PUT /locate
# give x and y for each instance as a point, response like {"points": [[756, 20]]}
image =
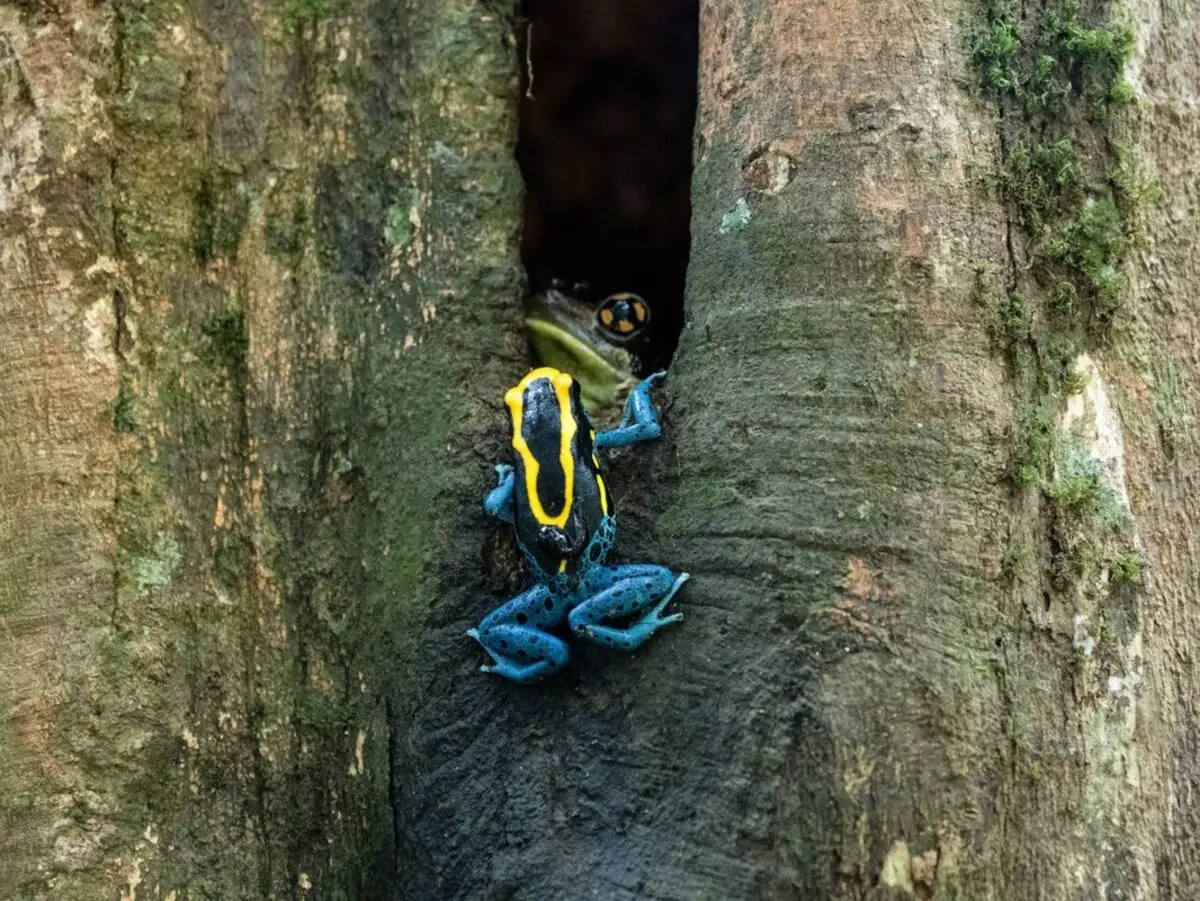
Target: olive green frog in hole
{"points": [[556, 497], [592, 341]]}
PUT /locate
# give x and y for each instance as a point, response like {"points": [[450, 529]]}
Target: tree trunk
{"points": [[930, 457], [258, 277], [942, 557]]}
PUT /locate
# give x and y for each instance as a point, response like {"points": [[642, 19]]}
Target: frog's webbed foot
{"points": [[514, 637], [639, 422], [628, 590]]}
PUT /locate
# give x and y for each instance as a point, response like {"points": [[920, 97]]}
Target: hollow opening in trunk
{"points": [[608, 102]]}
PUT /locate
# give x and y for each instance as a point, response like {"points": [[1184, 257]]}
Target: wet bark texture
{"points": [[258, 279], [259, 287]]}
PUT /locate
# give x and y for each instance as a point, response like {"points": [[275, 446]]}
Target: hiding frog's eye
{"points": [[622, 317]]}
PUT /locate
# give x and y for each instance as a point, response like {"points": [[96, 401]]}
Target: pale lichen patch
{"points": [[1112, 788], [99, 328], [133, 878], [924, 868], [154, 570], [736, 218], [1091, 419], [1081, 638], [356, 765], [897, 868], [857, 776]]}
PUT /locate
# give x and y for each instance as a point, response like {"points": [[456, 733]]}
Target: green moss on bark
{"points": [[1056, 74]]}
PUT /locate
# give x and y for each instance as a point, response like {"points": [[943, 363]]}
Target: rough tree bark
{"points": [[259, 283], [941, 671], [258, 279]]}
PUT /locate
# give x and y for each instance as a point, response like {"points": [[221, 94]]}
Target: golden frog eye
{"points": [[622, 317]]}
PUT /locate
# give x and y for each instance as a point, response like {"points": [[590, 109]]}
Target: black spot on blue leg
{"points": [[549, 605], [522, 618]]}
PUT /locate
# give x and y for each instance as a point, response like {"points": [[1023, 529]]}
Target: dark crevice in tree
{"points": [[608, 102], [393, 788]]}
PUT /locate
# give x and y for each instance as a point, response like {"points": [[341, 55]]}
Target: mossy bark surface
{"points": [[259, 281]]}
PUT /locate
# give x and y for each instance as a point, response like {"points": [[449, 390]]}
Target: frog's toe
{"points": [[662, 605], [522, 674], [652, 622], [474, 633]]}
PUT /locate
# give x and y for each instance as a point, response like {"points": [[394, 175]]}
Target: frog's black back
{"points": [[559, 497]]}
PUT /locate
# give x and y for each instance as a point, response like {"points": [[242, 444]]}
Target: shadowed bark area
{"points": [[258, 275]]}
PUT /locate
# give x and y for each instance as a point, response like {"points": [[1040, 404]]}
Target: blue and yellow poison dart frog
{"points": [[558, 501]]}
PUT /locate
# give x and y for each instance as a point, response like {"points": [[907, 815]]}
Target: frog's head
{"points": [[588, 340]]}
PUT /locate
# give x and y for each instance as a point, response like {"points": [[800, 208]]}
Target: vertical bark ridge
{"points": [[1155, 378]]}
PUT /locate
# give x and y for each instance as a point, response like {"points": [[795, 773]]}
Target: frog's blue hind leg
{"points": [[499, 501], [515, 637], [623, 591], [639, 422]]}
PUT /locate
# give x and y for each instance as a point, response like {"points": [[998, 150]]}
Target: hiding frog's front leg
{"points": [[639, 422]]}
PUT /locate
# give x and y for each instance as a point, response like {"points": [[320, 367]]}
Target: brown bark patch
{"points": [[861, 593], [826, 58], [860, 583]]}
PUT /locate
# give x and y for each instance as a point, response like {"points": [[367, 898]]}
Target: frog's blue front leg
{"points": [[516, 638], [623, 591], [499, 502], [639, 421]]}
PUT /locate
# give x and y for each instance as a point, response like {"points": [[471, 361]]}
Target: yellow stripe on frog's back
{"points": [[599, 478], [515, 399]]}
